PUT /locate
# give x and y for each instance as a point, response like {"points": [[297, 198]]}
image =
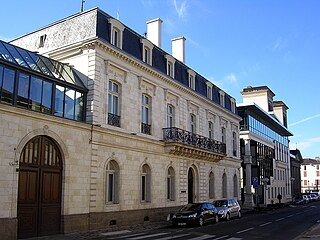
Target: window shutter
{"points": [[116, 188], [148, 186]]}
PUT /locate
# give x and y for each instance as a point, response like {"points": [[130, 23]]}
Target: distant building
{"points": [[264, 148], [310, 175], [143, 135], [295, 166]]}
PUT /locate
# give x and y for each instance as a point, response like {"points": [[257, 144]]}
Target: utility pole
{"points": [[82, 3]]}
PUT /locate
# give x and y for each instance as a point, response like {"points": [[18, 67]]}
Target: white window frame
{"points": [[209, 90], [192, 79], [170, 65], [112, 95], [147, 46], [193, 123], [223, 134], [112, 170], [170, 184], [233, 105], [146, 109], [210, 130], [116, 27], [222, 98], [145, 193], [170, 116]]}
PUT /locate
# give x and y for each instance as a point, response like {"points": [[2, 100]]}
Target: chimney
{"points": [[178, 48], [154, 31]]}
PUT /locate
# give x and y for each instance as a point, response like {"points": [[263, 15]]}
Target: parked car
{"points": [[299, 200], [314, 196], [195, 213], [228, 208], [306, 198]]}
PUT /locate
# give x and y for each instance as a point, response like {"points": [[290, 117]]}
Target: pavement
{"points": [[311, 233]]}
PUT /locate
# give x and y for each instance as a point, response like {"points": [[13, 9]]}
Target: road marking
{"points": [[280, 219], [298, 213], [290, 215], [130, 235], [265, 224], [115, 233], [246, 230], [174, 236], [148, 236], [203, 237], [233, 238], [221, 237]]}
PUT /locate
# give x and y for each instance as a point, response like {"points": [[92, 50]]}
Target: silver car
{"points": [[228, 208]]}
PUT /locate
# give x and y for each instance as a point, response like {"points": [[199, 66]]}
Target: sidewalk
{"points": [[311, 233]]}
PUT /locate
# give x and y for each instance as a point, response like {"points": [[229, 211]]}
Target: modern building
{"points": [[295, 164], [264, 142], [121, 133], [310, 175]]}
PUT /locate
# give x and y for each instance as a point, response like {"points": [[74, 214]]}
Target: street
{"points": [[286, 223]]}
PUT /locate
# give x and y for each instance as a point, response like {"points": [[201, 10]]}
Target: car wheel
{"points": [[216, 219], [239, 214], [201, 221], [228, 216]]}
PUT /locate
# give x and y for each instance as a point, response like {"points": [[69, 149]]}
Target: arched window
{"points": [[112, 182], [235, 186], [170, 184], [224, 186], [211, 185], [146, 184]]}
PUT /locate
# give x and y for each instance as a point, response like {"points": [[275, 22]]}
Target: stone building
{"points": [[310, 175], [264, 143], [295, 165], [155, 134]]}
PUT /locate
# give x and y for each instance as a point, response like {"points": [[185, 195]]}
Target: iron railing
{"points": [[146, 128], [113, 120], [177, 135]]}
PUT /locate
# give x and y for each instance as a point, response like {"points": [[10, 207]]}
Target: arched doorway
{"points": [[190, 186], [39, 190]]}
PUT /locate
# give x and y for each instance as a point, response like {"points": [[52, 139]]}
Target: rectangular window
{"points": [[143, 188], [170, 69], [193, 123], [8, 85], [209, 92], [305, 173], [79, 106], [210, 126], [223, 135], [36, 93], [110, 187], [191, 82], [318, 173], [170, 116], [305, 182], [147, 54], [115, 37], [23, 90], [69, 103], [46, 97], [59, 99]]}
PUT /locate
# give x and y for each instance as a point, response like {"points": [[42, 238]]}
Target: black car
{"points": [[195, 213]]}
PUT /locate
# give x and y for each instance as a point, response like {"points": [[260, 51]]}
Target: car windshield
{"points": [[221, 203], [190, 207]]}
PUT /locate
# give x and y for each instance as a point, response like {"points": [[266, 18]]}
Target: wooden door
{"points": [[39, 191]]}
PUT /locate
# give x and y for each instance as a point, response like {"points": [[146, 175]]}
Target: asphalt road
{"points": [[287, 223]]}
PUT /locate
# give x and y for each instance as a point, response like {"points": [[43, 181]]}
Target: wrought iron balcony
{"points": [[146, 128], [181, 142], [113, 120]]}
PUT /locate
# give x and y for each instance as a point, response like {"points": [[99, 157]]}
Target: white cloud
{"points": [[180, 7], [308, 144], [229, 80], [304, 120], [147, 3]]}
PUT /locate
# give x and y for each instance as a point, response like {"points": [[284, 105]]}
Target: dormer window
{"points": [[209, 90], [233, 105], [222, 100], [147, 47], [42, 40], [192, 79], [170, 65], [116, 32]]}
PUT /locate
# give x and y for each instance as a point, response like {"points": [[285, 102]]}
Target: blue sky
{"points": [[232, 43]]}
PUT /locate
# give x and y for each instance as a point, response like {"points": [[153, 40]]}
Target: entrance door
{"points": [[190, 186], [39, 191]]}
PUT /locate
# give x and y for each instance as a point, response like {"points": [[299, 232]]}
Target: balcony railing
{"points": [[146, 128], [113, 120], [177, 135]]}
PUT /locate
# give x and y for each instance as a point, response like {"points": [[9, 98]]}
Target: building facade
{"points": [[264, 148], [295, 165], [310, 175], [156, 134]]}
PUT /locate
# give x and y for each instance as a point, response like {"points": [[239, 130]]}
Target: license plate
{"points": [[182, 224]]}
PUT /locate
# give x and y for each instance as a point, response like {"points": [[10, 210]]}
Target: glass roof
{"points": [[41, 64]]}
